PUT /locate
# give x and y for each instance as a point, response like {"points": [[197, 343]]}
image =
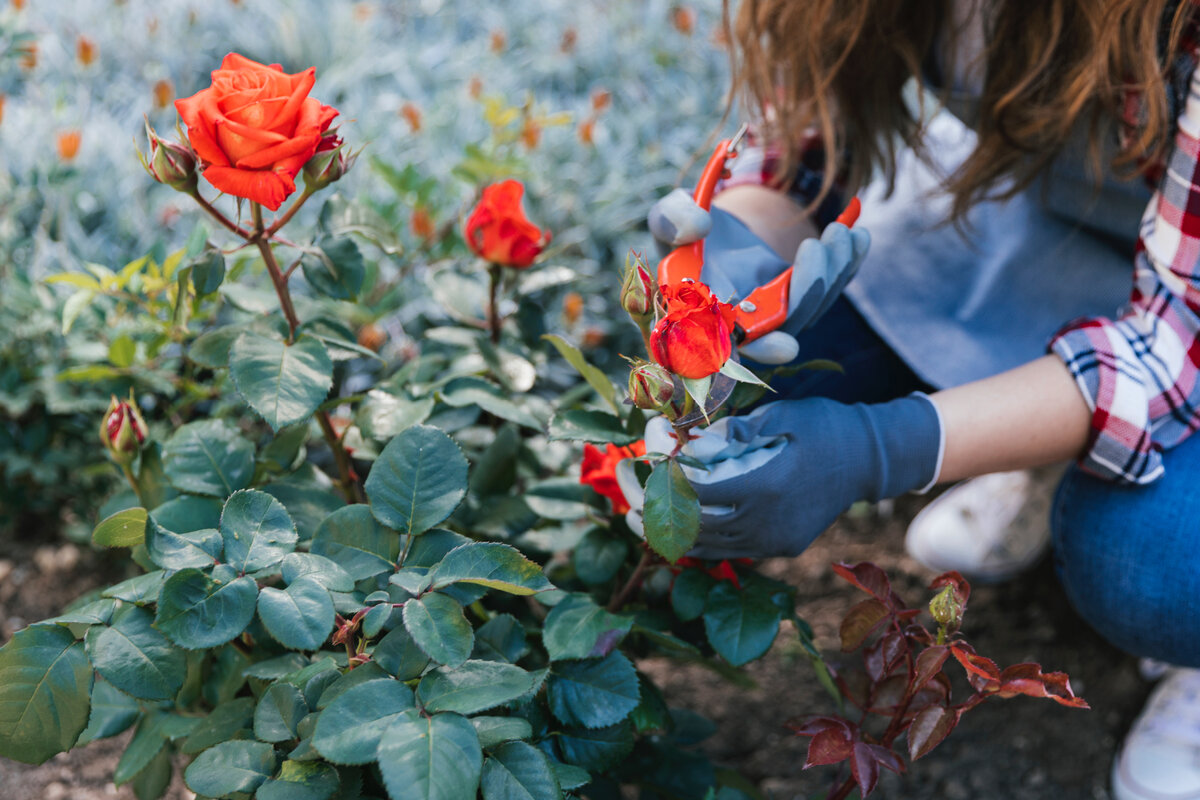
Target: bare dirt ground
{"points": [[1019, 748]]}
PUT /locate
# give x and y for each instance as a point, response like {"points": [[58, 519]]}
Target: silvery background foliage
{"points": [[372, 58]]}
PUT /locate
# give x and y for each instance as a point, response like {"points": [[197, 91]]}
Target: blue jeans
{"points": [[1128, 557]]}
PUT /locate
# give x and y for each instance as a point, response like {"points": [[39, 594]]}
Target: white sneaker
{"points": [[1160, 759], [989, 528]]}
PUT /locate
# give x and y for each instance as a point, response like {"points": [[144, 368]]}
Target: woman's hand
{"points": [[779, 476]]}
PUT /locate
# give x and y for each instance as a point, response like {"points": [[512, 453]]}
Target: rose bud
{"points": [[123, 431], [694, 339], [637, 289], [329, 163], [650, 386], [947, 608], [498, 230], [170, 162]]}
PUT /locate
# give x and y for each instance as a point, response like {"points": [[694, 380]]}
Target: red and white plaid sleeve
{"points": [[1139, 372]]}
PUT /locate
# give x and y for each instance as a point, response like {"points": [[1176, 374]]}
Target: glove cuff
{"points": [[907, 441]]}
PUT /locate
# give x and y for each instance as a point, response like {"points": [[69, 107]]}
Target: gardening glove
{"points": [[779, 476], [736, 262]]}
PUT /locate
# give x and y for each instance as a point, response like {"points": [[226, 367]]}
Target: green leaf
{"points": [[134, 657], [123, 529], [45, 681], [142, 590], [143, 748], [519, 771], [208, 457], [321, 569], [431, 758], [152, 782], [74, 306], [598, 556], [399, 655], [501, 638], [222, 724], [439, 628], [732, 369], [355, 540], [564, 499], [212, 349], [230, 767], [596, 749], [279, 713], [494, 730], [349, 729], [470, 390], [578, 628], [597, 427], [154, 489], [594, 693], [671, 515], [169, 550], [594, 377], [307, 503], [257, 531], [418, 480], [300, 617], [570, 777], [301, 780], [741, 625], [337, 271], [689, 593], [122, 351], [188, 513], [113, 712], [197, 612], [208, 271], [491, 564], [473, 687], [384, 415], [283, 383]]}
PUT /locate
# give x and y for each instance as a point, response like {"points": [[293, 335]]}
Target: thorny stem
{"points": [[221, 218], [493, 312], [619, 598]]}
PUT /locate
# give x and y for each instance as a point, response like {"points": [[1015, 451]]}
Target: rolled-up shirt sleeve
{"points": [[1138, 372]]}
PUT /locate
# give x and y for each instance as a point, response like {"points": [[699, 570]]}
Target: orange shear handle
{"points": [[686, 261]]}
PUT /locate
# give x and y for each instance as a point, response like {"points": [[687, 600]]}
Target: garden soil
{"points": [[1018, 748]]}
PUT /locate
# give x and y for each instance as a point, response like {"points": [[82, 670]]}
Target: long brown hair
{"points": [[840, 66]]}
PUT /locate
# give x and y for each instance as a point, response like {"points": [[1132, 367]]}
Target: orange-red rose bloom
{"points": [[255, 127], [600, 470], [694, 339], [499, 231]]}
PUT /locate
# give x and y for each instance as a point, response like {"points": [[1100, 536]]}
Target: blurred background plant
{"points": [[598, 107]]}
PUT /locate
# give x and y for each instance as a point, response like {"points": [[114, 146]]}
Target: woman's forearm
{"points": [[1031, 415]]}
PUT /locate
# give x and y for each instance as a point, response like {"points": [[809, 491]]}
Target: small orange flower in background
{"points": [[29, 54], [363, 12], [18, 4], [569, 39], [371, 336], [498, 41], [164, 93], [694, 339], [599, 470], [531, 133], [587, 131], [572, 307], [498, 230], [85, 50], [601, 100], [475, 87], [68, 144], [684, 19], [255, 127], [3, 97], [412, 115], [423, 226], [593, 338]]}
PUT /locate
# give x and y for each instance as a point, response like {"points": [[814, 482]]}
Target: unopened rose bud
{"points": [[637, 289], [171, 163], [329, 163], [123, 431], [650, 386], [947, 608]]}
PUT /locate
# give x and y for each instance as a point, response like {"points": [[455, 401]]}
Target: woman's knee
{"points": [[1128, 561]]}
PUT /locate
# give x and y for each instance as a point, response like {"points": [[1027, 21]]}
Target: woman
{"points": [[1073, 149]]}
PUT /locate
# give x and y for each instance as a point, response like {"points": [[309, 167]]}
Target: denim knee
{"points": [[1129, 562]]}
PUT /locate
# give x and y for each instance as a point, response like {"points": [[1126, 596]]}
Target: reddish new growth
{"points": [[903, 680]]}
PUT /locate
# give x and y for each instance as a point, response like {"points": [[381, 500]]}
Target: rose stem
{"points": [[137, 491], [493, 311], [620, 598], [221, 218], [287, 215], [350, 486]]}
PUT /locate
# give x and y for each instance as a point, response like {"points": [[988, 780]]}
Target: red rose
{"points": [[499, 231], [723, 571], [599, 470], [694, 339], [255, 127]]}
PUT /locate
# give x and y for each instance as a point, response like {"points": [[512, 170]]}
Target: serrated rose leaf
{"points": [[864, 768], [829, 746], [860, 621], [929, 727]]}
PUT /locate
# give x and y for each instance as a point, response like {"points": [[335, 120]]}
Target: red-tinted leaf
{"points": [[868, 577], [860, 621], [1028, 679], [904, 614], [887, 759], [920, 635], [864, 768], [811, 726], [975, 664], [929, 663], [889, 694], [882, 657], [830, 746], [962, 589], [936, 692], [928, 729]]}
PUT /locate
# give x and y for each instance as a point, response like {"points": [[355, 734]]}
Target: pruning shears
{"points": [[764, 309]]}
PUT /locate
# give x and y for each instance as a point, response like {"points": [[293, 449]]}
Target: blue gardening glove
{"points": [[736, 262], [780, 475]]}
